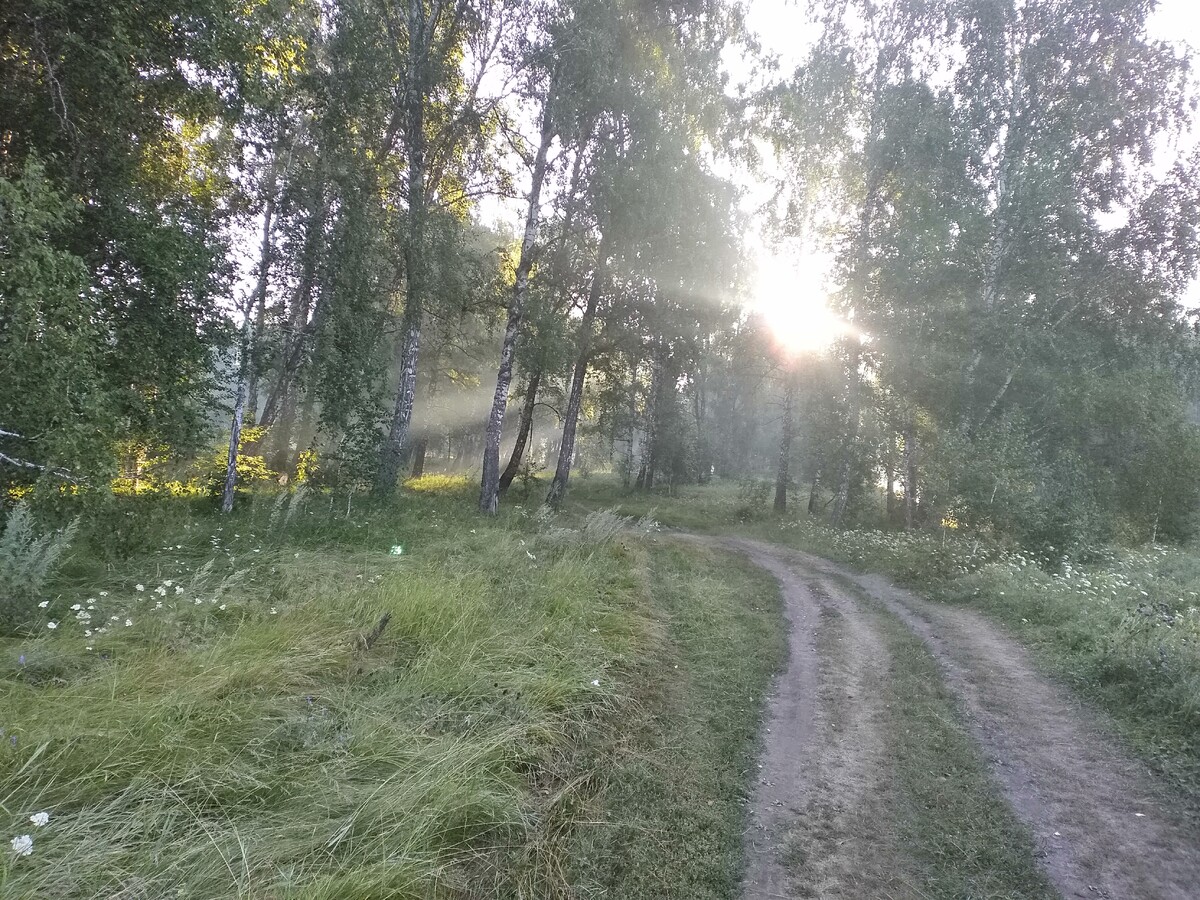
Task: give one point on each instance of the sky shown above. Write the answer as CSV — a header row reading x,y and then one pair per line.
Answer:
x,y
783,28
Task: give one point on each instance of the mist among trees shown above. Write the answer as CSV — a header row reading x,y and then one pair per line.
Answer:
x,y
350,242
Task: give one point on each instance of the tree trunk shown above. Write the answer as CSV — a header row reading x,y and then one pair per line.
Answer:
x,y
246,374
415,250
699,404
280,409
860,278
258,302
420,448
489,490
650,440
627,468
524,430
785,444
910,474
841,499
562,472
890,497
814,491
235,430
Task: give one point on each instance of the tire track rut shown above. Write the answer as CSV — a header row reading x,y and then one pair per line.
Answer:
x,y
1101,825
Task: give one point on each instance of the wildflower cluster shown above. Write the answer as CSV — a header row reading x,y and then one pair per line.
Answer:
x,y
22,844
180,596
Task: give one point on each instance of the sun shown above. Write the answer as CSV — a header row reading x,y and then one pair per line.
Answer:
x,y
791,300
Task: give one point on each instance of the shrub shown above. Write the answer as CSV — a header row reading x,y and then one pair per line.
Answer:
x,y
26,561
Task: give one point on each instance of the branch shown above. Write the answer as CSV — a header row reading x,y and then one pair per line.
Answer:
x,y
25,464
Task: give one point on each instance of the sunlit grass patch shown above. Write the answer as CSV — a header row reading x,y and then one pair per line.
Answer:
x,y
434,483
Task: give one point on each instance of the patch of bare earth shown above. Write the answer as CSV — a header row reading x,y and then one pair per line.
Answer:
x,y
819,827
1102,827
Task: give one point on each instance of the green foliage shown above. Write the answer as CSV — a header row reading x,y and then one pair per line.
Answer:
x,y
27,561
254,680
54,395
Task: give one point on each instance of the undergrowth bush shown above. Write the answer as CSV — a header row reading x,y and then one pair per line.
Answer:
x,y
27,560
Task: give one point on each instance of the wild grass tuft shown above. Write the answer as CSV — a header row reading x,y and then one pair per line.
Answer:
x,y
240,739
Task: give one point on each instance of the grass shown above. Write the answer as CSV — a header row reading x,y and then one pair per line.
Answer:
x,y
258,730
671,821
1123,630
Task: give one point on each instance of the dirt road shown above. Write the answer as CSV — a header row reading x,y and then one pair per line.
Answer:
x,y
848,793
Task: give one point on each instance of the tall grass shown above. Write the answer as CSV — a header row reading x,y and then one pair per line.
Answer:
x,y
253,733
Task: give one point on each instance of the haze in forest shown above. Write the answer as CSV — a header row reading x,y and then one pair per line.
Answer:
x,y
599,448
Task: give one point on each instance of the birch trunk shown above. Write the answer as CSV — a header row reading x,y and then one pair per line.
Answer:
x,y
410,347
246,377
489,490
785,444
627,468
874,180
841,499
566,450
524,430
910,475
235,430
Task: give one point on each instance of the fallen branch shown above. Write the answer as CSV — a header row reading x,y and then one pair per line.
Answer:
x,y
37,467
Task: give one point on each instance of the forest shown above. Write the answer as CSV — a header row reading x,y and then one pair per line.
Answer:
x,y
393,391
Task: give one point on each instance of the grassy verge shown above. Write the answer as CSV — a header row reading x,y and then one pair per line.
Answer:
x,y
671,820
226,713
1123,630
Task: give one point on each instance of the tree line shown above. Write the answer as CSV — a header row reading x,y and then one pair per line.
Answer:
x,y
262,224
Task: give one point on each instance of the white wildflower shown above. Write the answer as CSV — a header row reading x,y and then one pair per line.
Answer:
x,y
161,591
43,604
22,845
595,682
222,606
397,550
139,587
51,625
273,611
179,589
128,622
530,555
102,594
76,607
40,819
168,583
